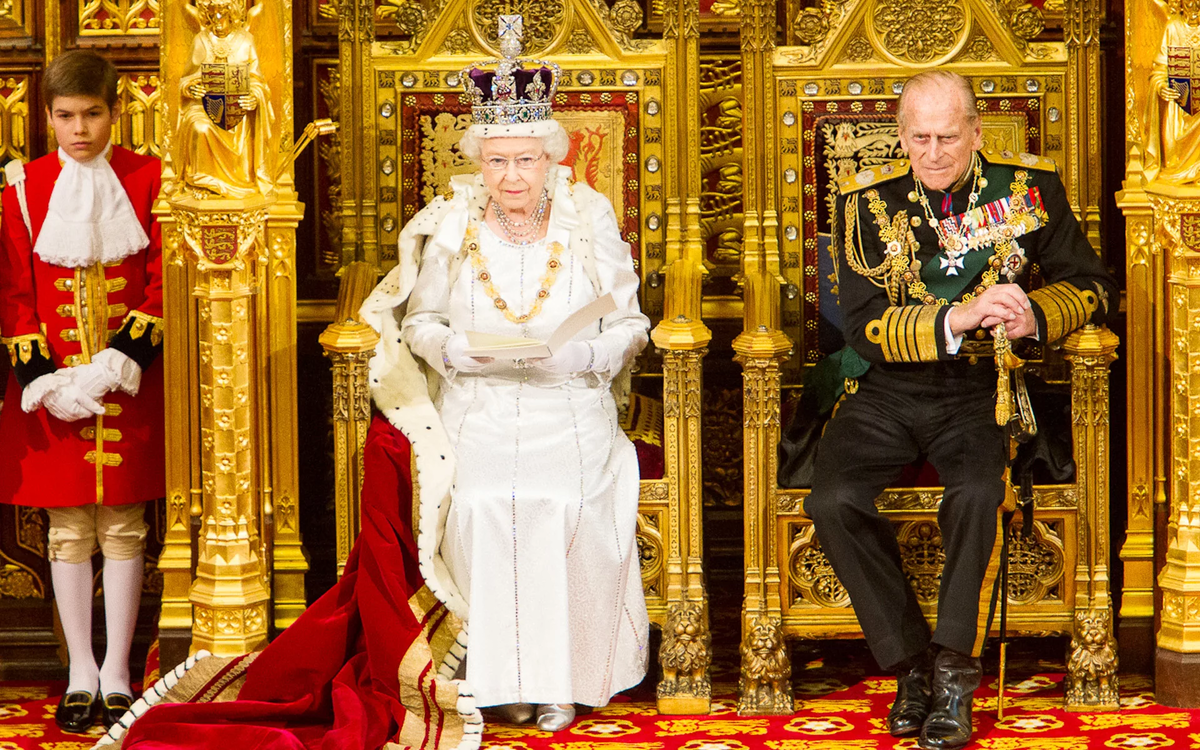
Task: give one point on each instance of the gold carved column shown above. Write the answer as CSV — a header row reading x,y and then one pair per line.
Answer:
x,y
356,27
1161,203
1147,353
225,240
1091,680
1081,32
1144,310
1177,231
229,214
683,339
761,348
279,440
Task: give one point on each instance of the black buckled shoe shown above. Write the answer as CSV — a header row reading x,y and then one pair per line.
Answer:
x,y
115,706
914,695
955,678
76,711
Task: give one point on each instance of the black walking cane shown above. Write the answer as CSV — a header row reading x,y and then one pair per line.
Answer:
x,y
1014,413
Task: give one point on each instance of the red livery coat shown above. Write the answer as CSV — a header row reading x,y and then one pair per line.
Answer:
x,y
53,317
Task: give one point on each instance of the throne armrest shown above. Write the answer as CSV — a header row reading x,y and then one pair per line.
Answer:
x,y
347,334
349,344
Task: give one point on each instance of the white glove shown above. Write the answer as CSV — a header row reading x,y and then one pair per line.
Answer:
x,y
453,357
69,403
574,357
110,370
60,396
93,379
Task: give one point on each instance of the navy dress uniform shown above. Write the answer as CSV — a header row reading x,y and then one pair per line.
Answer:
x,y
906,255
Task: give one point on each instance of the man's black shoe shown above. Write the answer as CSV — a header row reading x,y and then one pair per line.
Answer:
x,y
914,695
955,677
76,711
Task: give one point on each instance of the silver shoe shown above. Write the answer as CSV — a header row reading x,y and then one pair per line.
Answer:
x,y
513,713
555,717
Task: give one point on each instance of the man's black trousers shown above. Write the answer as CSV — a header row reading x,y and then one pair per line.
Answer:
x,y
897,416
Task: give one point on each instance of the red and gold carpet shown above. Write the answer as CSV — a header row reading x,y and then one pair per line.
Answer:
x,y
836,710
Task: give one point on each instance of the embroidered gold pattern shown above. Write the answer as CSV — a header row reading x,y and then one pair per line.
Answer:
x,y
903,334
906,333
106,459
142,323
20,348
1065,308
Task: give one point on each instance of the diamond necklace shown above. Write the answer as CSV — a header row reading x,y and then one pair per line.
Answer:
x,y
522,232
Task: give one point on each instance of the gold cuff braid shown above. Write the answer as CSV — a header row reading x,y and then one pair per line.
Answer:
x,y
1065,307
906,333
21,347
142,323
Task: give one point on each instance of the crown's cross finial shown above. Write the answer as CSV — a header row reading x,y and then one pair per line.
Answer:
x,y
510,32
516,92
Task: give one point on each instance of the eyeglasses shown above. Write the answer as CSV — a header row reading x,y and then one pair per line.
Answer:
x,y
524,163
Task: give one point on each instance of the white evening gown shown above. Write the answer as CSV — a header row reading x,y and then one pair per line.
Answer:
x,y
540,536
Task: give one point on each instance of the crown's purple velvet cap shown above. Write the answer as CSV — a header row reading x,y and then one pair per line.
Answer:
x,y
522,77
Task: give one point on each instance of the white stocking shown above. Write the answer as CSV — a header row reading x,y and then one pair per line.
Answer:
x,y
73,594
122,596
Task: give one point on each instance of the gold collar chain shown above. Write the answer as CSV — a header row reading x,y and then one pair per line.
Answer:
x,y
955,245
479,264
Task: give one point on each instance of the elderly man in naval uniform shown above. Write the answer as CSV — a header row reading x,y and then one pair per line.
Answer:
x,y
934,249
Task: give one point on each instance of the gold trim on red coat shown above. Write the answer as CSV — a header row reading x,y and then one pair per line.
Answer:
x,y
143,322
21,347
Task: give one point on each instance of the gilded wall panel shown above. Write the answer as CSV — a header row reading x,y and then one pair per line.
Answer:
x,y
108,17
723,459
24,571
327,166
140,128
721,182
17,19
14,118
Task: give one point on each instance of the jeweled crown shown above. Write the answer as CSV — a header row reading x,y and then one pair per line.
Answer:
x,y
513,91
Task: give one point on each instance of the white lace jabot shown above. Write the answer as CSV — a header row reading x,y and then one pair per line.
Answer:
x,y
89,219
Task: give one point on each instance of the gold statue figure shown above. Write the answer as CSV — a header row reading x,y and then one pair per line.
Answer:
x,y
226,120
1173,151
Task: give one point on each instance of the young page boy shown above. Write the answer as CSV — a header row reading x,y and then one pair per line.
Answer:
x,y
81,433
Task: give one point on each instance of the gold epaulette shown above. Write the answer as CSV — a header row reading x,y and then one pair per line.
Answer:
x,y
874,176
1028,161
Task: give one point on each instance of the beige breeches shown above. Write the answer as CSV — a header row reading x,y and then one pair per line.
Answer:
x,y
120,531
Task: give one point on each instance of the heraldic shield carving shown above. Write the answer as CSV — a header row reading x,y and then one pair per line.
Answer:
x,y
224,84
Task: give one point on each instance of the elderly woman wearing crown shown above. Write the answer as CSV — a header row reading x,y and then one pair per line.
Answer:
x,y
537,552
505,504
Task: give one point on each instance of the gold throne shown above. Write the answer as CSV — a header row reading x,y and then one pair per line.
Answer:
x,y
402,119
830,99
